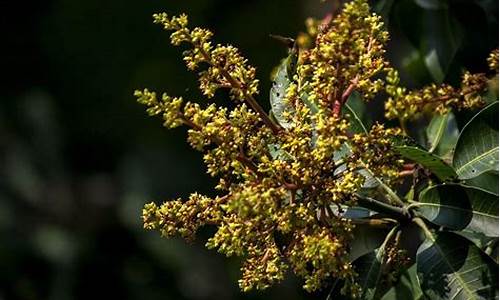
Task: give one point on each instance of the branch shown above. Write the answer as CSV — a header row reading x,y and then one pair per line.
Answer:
x,y
397,212
337,106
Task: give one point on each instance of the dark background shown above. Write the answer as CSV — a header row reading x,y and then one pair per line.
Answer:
x,y
79,157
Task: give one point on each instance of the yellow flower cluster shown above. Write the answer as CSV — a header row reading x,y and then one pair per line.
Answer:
x,y
283,188
227,68
183,218
493,60
169,107
347,54
320,247
374,150
410,105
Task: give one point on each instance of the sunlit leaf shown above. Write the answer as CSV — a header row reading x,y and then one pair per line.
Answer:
x,y
430,161
460,207
442,135
477,146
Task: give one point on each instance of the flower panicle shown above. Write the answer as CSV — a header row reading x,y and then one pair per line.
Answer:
x,y
226,67
284,188
409,105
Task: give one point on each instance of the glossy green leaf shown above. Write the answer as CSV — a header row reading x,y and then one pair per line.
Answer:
x,y
357,125
487,181
358,116
442,135
477,146
356,212
430,161
370,270
482,242
368,238
451,267
459,207
407,287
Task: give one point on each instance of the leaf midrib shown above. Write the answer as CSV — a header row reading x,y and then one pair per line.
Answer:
x,y
439,134
457,208
476,159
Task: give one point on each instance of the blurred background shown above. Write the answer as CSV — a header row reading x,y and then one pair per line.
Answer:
x,y
79,157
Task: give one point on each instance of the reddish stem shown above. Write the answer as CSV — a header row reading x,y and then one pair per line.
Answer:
x,y
337,105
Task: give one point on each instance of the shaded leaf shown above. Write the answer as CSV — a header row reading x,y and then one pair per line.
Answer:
x,y
310,104
487,181
451,267
430,161
482,242
459,207
356,107
383,8
367,240
357,125
407,287
477,146
370,270
440,40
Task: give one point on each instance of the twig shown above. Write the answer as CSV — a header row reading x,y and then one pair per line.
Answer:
x,y
397,212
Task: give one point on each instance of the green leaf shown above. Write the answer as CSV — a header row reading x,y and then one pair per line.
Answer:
x,y
355,122
435,131
370,270
477,146
357,126
281,82
482,242
451,267
370,180
434,32
356,212
440,41
430,161
367,240
354,109
407,287
459,207
478,238
442,135
487,181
